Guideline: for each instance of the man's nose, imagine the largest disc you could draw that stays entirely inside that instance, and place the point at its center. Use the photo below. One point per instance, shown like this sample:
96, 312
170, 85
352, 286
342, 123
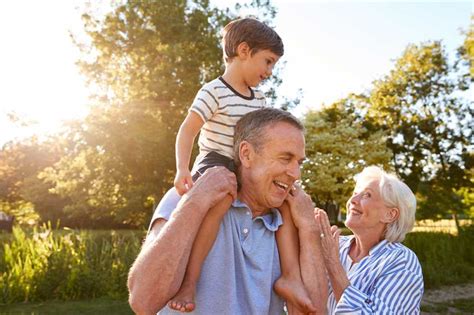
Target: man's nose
294, 170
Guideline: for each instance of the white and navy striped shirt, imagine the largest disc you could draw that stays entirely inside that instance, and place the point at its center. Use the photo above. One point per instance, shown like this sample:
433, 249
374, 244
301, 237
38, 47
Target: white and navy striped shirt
387, 281
220, 107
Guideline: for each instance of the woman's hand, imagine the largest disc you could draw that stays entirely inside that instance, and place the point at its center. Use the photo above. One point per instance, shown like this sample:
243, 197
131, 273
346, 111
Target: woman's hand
330, 244
329, 237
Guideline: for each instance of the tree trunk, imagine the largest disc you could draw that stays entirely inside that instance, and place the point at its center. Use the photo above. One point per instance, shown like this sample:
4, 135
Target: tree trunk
456, 221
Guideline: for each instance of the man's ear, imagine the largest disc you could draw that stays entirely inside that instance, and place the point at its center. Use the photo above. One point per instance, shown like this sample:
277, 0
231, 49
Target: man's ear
245, 153
390, 215
243, 50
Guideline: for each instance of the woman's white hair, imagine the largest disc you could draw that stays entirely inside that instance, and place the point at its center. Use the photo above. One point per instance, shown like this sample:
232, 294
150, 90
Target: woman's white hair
395, 194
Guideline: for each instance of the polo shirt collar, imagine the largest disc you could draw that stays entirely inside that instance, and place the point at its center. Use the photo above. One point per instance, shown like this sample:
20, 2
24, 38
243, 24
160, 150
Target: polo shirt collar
271, 221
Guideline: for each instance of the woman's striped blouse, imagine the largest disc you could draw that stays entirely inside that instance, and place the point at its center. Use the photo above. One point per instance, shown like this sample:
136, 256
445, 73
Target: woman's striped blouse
387, 281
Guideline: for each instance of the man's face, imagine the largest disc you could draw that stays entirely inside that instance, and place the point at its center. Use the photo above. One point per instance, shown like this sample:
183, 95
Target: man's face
272, 170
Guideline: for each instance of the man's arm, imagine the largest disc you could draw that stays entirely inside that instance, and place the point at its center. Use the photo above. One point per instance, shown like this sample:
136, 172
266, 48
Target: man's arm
158, 271
313, 271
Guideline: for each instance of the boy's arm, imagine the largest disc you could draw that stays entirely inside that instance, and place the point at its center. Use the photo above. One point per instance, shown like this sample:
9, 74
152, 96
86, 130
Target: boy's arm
184, 146
158, 271
313, 271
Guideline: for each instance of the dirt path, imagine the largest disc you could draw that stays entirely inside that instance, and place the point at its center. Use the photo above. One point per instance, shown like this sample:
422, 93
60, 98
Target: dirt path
439, 301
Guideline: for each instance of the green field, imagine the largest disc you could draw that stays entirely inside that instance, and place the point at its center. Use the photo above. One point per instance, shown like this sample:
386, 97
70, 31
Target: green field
121, 307
74, 265
92, 307
442, 226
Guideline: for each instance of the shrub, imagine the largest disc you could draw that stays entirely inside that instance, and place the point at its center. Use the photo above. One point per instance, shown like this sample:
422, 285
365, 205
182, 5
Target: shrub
46, 263
66, 264
446, 259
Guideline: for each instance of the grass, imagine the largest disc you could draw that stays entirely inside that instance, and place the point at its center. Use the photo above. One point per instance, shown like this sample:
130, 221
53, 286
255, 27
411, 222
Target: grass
442, 226
108, 306
454, 306
446, 259
96, 306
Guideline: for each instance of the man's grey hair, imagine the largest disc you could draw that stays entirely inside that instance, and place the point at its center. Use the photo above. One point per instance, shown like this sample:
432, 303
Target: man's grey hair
250, 127
395, 194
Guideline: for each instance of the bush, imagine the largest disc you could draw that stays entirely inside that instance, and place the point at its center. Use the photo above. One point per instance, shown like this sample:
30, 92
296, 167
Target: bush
45, 264
66, 264
445, 259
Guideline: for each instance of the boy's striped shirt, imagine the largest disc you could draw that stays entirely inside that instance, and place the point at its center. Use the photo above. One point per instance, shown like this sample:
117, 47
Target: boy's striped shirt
387, 281
220, 107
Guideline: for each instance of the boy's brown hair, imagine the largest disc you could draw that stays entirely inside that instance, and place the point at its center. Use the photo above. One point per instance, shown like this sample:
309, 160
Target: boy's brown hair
255, 33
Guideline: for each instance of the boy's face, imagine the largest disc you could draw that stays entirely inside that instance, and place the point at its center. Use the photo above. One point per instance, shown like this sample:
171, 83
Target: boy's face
258, 66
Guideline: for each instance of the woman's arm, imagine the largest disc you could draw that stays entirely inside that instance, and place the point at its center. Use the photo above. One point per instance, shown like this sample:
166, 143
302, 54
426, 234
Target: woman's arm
330, 245
397, 290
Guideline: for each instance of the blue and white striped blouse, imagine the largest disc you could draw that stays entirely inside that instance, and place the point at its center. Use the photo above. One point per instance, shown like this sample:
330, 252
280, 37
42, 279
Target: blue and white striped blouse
387, 281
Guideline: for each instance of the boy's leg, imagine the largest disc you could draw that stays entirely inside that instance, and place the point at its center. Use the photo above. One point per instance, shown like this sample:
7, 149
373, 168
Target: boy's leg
290, 285
184, 300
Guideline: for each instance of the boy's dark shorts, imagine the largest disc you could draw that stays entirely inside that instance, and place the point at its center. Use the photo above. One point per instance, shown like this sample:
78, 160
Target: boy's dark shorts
213, 159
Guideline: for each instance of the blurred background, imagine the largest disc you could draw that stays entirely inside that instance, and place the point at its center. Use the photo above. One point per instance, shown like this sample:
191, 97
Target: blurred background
93, 94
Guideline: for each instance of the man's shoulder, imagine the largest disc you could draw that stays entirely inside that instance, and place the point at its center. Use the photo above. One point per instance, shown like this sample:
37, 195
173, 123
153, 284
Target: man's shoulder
165, 208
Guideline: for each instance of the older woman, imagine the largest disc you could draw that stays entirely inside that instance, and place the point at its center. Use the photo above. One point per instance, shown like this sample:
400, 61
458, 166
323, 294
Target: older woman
371, 271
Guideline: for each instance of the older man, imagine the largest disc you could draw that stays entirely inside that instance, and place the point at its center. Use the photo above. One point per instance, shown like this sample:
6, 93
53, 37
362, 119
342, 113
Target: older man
239, 272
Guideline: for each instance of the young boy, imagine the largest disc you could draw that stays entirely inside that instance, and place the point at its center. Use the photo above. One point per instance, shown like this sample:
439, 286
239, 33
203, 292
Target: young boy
251, 49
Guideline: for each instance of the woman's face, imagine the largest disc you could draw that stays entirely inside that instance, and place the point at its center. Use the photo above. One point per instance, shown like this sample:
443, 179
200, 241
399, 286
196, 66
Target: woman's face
366, 211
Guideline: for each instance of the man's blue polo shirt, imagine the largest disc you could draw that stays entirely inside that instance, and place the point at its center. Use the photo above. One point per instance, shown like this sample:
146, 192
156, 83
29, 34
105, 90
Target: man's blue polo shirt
238, 274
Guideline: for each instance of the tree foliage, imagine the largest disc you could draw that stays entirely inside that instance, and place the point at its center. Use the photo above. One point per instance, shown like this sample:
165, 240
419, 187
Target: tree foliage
466, 51
429, 123
22, 193
146, 61
338, 146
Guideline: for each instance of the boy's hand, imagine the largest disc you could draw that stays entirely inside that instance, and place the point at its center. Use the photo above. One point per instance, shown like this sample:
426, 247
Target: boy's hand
301, 208
183, 181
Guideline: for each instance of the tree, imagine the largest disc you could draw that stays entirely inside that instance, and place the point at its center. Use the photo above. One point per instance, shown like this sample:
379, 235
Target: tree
146, 60
22, 193
339, 145
429, 125
466, 51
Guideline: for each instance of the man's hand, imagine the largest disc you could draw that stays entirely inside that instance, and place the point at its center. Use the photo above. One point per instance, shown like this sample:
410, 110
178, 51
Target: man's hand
301, 208
216, 183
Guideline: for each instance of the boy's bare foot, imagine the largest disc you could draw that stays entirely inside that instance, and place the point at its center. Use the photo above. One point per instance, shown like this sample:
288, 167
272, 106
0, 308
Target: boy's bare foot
183, 301
294, 293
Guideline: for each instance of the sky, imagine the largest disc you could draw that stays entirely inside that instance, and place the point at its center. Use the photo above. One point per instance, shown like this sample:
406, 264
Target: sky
332, 48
